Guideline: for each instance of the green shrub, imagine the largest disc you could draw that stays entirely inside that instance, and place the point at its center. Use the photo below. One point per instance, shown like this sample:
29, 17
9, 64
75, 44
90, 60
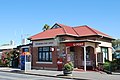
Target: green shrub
71, 64
107, 66
68, 66
112, 65
115, 64
1, 63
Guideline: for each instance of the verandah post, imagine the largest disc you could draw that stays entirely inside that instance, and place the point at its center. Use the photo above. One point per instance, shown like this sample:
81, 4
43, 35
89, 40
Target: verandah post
84, 58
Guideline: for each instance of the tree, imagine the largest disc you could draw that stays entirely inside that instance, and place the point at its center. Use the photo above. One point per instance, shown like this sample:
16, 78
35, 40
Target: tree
14, 58
10, 58
46, 27
6, 58
116, 43
116, 46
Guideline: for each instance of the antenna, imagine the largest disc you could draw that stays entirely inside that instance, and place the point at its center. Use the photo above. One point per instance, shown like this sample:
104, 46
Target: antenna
12, 42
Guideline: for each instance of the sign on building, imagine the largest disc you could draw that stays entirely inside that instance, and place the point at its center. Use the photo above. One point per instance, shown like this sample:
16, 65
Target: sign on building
44, 43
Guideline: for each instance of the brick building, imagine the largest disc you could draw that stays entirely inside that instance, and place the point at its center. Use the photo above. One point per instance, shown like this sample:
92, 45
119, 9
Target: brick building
82, 45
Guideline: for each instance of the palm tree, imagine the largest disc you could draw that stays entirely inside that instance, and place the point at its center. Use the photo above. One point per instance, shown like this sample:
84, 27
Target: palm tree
46, 27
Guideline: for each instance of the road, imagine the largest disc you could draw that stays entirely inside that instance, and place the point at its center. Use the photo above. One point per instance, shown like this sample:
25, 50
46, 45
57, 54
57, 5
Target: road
16, 76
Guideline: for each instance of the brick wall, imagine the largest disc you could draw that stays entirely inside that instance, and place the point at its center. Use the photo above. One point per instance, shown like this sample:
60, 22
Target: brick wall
37, 64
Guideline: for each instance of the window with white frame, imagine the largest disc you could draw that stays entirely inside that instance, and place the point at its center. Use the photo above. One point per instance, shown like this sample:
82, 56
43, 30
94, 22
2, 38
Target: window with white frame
45, 54
104, 50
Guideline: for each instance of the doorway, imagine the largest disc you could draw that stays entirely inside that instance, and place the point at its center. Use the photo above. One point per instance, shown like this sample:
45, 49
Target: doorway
90, 57
76, 56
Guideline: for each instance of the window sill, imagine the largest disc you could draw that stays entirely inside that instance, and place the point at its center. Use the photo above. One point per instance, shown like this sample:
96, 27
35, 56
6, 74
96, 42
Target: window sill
44, 62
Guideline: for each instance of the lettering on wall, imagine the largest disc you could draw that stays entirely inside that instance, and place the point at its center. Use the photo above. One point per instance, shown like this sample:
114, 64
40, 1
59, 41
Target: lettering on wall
75, 44
44, 43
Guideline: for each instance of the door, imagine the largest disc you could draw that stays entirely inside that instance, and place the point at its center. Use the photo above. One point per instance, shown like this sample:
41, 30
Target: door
89, 56
72, 52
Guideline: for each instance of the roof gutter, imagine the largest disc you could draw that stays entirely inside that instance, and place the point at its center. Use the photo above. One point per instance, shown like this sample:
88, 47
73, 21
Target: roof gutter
41, 39
86, 40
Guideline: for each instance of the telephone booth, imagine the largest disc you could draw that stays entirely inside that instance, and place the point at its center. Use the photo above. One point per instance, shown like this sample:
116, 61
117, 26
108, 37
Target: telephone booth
25, 61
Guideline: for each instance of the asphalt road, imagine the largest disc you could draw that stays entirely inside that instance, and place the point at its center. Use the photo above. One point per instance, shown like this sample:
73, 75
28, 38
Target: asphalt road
15, 76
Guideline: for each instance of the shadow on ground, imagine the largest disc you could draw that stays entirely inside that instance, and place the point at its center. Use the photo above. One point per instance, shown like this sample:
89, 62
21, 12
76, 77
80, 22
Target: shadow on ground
17, 71
70, 77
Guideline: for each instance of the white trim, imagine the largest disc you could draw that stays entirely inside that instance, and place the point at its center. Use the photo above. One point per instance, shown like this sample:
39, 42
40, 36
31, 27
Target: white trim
25, 47
44, 62
90, 44
8, 47
84, 58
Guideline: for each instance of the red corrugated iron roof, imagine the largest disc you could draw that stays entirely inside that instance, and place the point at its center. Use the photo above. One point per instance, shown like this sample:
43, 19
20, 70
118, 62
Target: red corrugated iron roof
79, 31
87, 31
51, 33
68, 30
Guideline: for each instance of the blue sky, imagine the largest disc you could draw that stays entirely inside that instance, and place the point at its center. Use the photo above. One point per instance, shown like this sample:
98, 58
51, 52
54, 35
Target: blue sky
27, 17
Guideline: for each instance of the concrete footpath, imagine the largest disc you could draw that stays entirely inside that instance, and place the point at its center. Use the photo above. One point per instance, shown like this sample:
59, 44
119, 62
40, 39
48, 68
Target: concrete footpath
76, 75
